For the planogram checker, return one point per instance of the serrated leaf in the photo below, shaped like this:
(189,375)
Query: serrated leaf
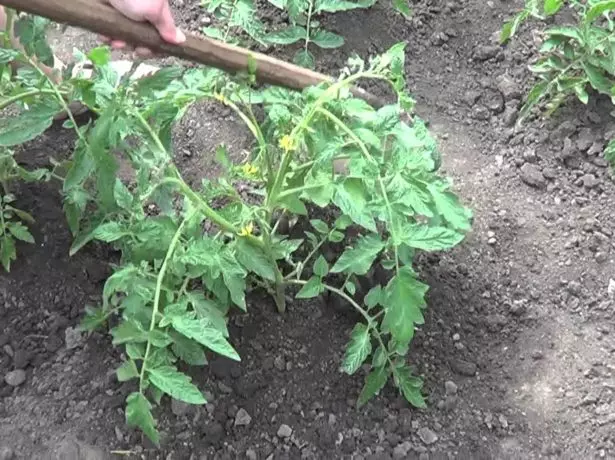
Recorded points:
(108,232)
(336,237)
(20,231)
(127,371)
(350,197)
(201,331)
(374,382)
(188,350)
(321,267)
(159,338)
(312,288)
(28,125)
(327,40)
(284,248)
(334,6)
(304,58)
(374,297)
(288,36)
(128,331)
(7,55)
(139,414)
(510,27)
(358,349)
(430,238)
(410,387)
(404,300)
(175,384)
(359,259)
(8,252)
(450,208)
(157,81)
(123,197)
(94,318)
(254,259)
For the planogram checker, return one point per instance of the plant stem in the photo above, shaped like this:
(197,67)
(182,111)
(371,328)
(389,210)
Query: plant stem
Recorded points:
(308,25)
(33,92)
(159,280)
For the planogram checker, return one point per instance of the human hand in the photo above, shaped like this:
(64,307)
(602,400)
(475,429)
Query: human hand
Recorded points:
(156,12)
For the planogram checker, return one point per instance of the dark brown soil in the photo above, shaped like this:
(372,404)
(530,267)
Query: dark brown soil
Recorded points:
(518,349)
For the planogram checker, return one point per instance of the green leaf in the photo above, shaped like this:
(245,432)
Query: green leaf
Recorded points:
(284,248)
(403,7)
(374,382)
(288,36)
(157,81)
(538,91)
(176,384)
(7,55)
(321,267)
(568,32)
(410,386)
(159,338)
(99,56)
(139,414)
(304,58)
(430,238)
(93,319)
(295,8)
(28,125)
(358,349)
(326,39)
(598,9)
(123,197)
(374,297)
(336,237)
(320,226)
(201,331)
(254,259)
(350,197)
(510,27)
(404,301)
(334,6)
(108,232)
(20,231)
(8,252)
(128,331)
(188,350)
(360,258)
(127,371)
(311,289)
(293,204)
(552,6)
(597,79)
(450,208)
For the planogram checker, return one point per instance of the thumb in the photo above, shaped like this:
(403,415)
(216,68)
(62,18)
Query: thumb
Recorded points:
(166,25)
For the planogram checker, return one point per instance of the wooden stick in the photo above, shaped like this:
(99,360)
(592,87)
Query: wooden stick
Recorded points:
(99,17)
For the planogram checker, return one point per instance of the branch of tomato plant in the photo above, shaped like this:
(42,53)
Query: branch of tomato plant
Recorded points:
(299,268)
(156,307)
(371,320)
(308,25)
(33,92)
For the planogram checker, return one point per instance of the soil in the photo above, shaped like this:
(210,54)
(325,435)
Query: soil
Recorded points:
(518,349)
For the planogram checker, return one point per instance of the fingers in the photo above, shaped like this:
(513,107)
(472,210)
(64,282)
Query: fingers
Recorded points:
(164,22)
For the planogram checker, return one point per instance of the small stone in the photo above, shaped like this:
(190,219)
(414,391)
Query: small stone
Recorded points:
(427,436)
(456,337)
(589,181)
(485,52)
(537,355)
(463,367)
(242,418)
(532,176)
(279,363)
(15,378)
(72,338)
(402,450)
(284,431)
(611,289)
(450,387)
(549,173)
(503,421)
(251,454)
(509,88)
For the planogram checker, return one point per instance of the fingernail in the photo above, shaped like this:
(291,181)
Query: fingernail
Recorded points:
(180,37)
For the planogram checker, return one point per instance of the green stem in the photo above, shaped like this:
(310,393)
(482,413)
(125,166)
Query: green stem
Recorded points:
(349,132)
(33,92)
(308,25)
(392,226)
(299,269)
(303,188)
(159,280)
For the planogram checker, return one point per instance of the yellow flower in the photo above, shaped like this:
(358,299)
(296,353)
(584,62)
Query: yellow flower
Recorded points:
(219,97)
(249,169)
(287,143)
(247,230)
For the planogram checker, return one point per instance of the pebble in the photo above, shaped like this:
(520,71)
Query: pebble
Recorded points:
(242,418)
(450,387)
(251,454)
(486,52)
(72,338)
(532,176)
(427,436)
(463,367)
(179,408)
(285,431)
(15,378)
(6,453)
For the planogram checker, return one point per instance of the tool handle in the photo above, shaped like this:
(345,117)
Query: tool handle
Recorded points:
(100,17)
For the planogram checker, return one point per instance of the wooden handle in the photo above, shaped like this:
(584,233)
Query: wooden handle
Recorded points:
(99,17)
